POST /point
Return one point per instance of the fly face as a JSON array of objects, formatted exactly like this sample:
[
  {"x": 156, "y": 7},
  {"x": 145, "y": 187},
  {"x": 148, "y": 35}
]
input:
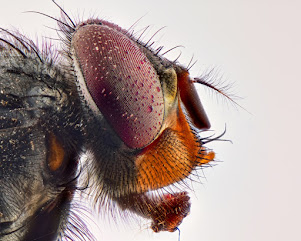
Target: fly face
[
  {"x": 135, "y": 112},
  {"x": 142, "y": 102}
]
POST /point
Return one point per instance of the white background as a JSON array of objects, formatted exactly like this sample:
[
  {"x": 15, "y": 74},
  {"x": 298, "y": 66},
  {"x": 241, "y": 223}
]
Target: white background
[{"x": 254, "y": 193}]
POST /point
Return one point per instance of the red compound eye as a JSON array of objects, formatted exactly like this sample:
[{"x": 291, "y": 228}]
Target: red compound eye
[{"x": 121, "y": 81}]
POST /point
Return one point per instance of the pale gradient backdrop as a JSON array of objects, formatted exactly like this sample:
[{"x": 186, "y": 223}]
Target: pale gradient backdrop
[{"x": 254, "y": 192}]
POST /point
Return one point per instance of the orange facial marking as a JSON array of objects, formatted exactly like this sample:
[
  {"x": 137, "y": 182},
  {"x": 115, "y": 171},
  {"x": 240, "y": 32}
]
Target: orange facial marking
[
  {"x": 56, "y": 153},
  {"x": 171, "y": 157}
]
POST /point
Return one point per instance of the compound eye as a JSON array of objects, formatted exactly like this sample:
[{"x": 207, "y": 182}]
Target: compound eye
[{"x": 121, "y": 81}]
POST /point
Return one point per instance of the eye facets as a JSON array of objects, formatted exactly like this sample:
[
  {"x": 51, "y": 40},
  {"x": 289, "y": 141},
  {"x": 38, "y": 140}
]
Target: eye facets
[{"x": 121, "y": 81}]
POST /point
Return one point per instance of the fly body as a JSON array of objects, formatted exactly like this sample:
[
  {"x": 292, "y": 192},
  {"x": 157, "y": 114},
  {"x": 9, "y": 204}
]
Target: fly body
[{"x": 136, "y": 113}]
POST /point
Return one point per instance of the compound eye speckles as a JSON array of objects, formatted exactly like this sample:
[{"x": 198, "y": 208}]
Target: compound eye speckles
[{"x": 121, "y": 81}]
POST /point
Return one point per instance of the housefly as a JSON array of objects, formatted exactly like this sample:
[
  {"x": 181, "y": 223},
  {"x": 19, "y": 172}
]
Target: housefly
[{"x": 135, "y": 113}]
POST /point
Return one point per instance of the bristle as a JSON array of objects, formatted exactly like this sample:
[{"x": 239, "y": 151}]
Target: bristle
[{"x": 132, "y": 168}]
